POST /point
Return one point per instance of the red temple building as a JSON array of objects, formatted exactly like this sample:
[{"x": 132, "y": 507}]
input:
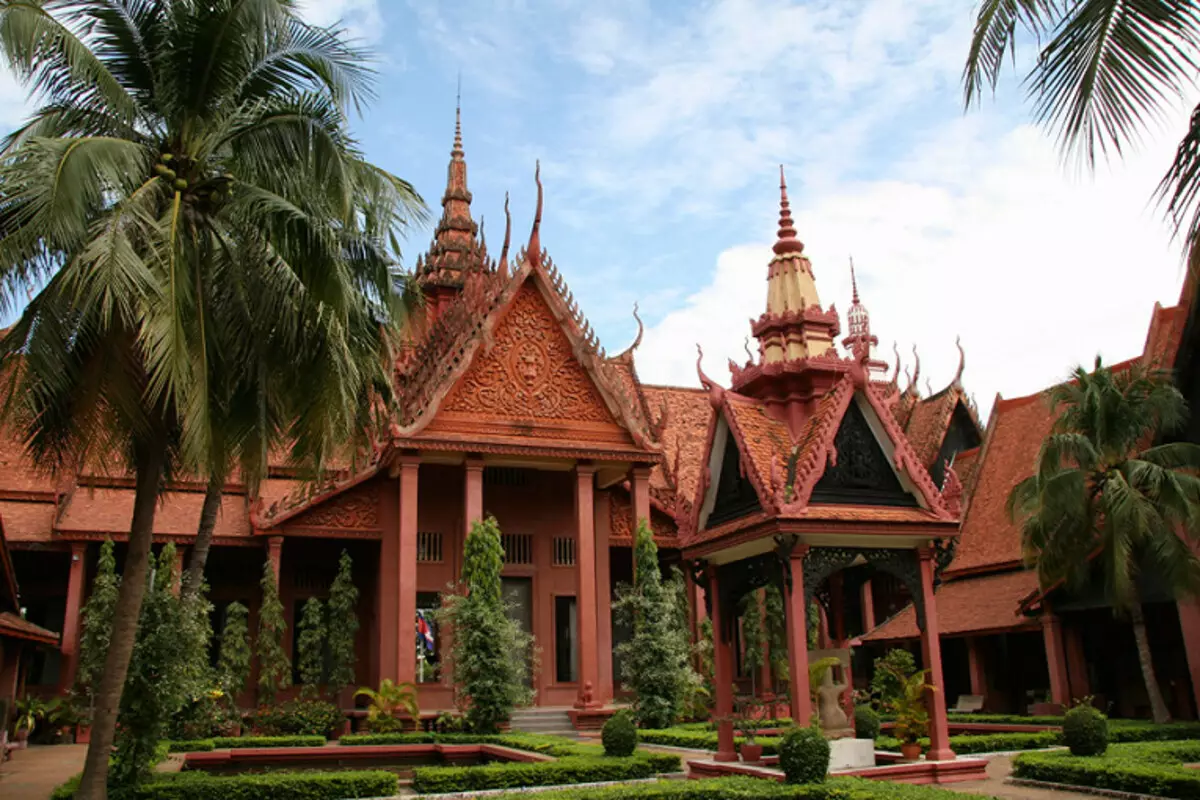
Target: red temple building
[{"x": 813, "y": 470}]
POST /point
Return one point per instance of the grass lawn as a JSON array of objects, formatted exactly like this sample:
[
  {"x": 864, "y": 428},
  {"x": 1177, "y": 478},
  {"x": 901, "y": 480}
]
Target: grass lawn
[{"x": 1154, "y": 768}]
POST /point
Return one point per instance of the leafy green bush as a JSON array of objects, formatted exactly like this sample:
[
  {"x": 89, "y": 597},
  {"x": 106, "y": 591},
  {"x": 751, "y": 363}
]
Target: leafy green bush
[
  {"x": 619, "y": 735},
  {"x": 866, "y": 722},
  {"x": 804, "y": 755},
  {"x": 887, "y": 682},
  {"x": 273, "y": 786},
  {"x": 190, "y": 746},
  {"x": 298, "y": 718},
  {"x": 1151, "y": 768},
  {"x": 575, "y": 769},
  {"x": 1085, "y": 730}
]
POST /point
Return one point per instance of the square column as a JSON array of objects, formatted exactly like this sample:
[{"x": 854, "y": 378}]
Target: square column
[
  {"x": 639, "y": 485},
  {"x": 586, "y": 602},
  {"x": 722, "y": 673},
  {"x": 604, "y": 646},
  {"x": 76, "y": 574},
  {"x": 797, "y": 631},
  {"x": 1056, "y": 659},
  {"x": 1077, "y": 673},
  {"x": 406, "y": 569},
  {"x": 1189, "y": 626},
  {"x": 472, "y": 494},
  {"x": 976, "y": 670},
  {"x": 868, "y": 607},
  {"x": 931, "y": 651},
  {"x": 275, "y": 556}
]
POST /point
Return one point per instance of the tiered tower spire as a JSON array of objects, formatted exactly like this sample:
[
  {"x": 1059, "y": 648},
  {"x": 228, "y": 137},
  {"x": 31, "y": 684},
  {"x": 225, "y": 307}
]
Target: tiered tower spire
[
  {"x": 456, "y": 248},
  {"x": 860, "y": 340},
  {"x": 799, "y": 362}
]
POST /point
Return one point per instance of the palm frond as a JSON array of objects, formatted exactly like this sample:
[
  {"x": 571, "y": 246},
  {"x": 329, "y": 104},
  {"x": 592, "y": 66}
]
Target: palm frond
[{"x": 994, "y": 39}]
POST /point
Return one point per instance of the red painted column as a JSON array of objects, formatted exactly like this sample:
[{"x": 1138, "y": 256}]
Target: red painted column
[
  {"x": 473, "y": 493},
  {"x": 931, "y": 649},
  {"x": 406, "y": 568},
  {"x": 797, "y": 622},
  {"x": 1077, "y": 673},
  {"x": 77, "y": 573},
  {"x": 604, "y": 646},
  {"x": 764, "y": 671},
  {"x": 275, "y": 556},
  {"x": 976, "y": 669},
  {"x": 722, "y": 674},
  {"x": 388, "y": 595},
  {"x": 1056, "y": 659},
  {"x": 639, "y": 482},
  {"x": 585, "y": 564},
  {"x": 868, "y": 607},
  {"x": 1189, "y": 625}
]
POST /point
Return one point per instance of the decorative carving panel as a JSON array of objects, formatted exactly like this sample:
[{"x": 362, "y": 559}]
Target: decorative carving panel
[
  {"x": 821, "y": 562},
  {"x": 528, "y": 371},
  {"x": 356, "y": 508}
]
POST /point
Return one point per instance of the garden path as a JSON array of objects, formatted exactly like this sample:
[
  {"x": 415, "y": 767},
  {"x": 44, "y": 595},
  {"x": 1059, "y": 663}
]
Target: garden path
[
  {"x": 998, "y": 770},
  {"x": 33, "y": 773}
]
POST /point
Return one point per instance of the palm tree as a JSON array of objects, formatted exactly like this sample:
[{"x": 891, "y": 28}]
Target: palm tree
[
  {"x": 1106, "y": 71},
  {"x": 386, "y": 704},
  {"x": 215, "y": 258},
  {"x": 1104, "y": 499}
]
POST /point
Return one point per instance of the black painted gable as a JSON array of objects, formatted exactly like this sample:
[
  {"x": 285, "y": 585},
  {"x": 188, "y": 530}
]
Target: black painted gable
[
  {"x": 960, "y": 435},
  {"x": 862, "y": 475},
  {"x": 735, "y": 493}
]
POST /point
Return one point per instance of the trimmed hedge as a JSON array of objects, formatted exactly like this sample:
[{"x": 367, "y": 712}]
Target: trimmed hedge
[
  {"x": 752, "y": 789},
  {"x": 236, "y": 742},
  {"x": 533, "y": 742},
  {"x": 697, "y": 740},
  {"x": 1154, "y": 768},
  {"x": 274, "y": 786},
  {"x": 804, "y": 755},
  {"x": 575, "y": 769},
  {"x": 994, "y": 719}
]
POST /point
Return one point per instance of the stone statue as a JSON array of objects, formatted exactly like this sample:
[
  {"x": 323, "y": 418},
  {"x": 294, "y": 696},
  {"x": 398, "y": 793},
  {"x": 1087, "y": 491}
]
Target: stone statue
[{"x": 830, "y": 693}]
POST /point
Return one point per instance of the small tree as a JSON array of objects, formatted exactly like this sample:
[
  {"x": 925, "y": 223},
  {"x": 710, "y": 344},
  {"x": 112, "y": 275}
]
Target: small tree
[
  {"x": 777, "y": 646},
  {"x": 168, "y": 667},
  {"x": 311, "y": 647},
  {"x": 655, "y": 658},
  {"x": 97, "y": 623},
  {"x": 233, "y": 661},
  {"x": 274, "y": 667},
  {"x": 488, "y": 659},
  {"x": 891, "y": 673},
  {"x": 343, "y": 626}
]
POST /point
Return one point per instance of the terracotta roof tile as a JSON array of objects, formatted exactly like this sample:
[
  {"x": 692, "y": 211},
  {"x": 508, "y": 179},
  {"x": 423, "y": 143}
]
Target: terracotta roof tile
[
  {"x": 688, "y": 413},
  {"x": 110, "y": 511},
  {"x": 13, "y": 625},
  {"x": 928, "y": 423},
  {"x": 762, "y": 437},
  {"x": 865, "y": 513},
  {"x": 966, "y": 464},
  {"x": 1165, "y": 335},
  {"x": 984, "y": 603}
]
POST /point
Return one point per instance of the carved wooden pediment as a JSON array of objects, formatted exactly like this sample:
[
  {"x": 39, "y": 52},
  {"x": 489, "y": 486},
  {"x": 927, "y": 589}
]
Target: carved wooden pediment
[{"x": 357, "y": 509}]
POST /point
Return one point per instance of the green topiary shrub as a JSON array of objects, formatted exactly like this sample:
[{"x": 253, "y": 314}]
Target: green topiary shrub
[
  {"x": 804, "y": 755},
  {"x": 866, "y": 722},
  {"x": 619, "y": 735},
  {"x": 1085, "y": 730},
  {"x": 298, "y": 718}
]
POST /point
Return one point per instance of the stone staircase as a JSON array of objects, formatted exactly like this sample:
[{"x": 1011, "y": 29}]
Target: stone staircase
[{"x": 543, "y": 720}]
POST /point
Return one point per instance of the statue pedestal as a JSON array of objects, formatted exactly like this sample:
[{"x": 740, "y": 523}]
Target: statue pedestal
[{"x": 851, "y": 754}]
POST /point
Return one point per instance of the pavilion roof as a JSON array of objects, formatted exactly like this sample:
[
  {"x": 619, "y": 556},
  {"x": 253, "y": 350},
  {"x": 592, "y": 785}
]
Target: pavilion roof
[{"x": 970, "y": 605}]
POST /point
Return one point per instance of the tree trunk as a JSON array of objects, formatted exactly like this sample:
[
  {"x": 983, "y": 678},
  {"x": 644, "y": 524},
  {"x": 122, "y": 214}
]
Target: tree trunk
[
  {"x": 194, "y": 578},
  {"x": 1158, "y": 708},
  {"x": 151, "y": 459}
]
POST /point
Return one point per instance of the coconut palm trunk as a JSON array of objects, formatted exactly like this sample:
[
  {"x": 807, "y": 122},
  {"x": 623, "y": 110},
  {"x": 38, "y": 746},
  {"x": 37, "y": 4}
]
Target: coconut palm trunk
[
  {"x": 151, "y": 458},
  {"x": 204, "y": 533},
  {"x": 1158, "y": 708}
]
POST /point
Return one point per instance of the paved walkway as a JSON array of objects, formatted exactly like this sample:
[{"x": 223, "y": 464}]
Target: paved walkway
[
  {"x": 1000, "y": 768},
  {"x": 33, "y": 773}
]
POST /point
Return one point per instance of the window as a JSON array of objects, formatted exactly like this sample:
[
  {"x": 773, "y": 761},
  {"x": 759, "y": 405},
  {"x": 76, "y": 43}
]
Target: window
[
  {"x": 564, "y": 551},
  {"x": 566, "y": 634},
  {"x": 518, "y": 548},
  {"x": 429, "y": 546},
  {"x": 429, "y": 641}
]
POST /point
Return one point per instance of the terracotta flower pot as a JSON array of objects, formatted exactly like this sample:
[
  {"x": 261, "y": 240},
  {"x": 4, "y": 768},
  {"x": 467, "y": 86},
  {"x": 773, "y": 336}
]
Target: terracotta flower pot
[
  {"x": 83, "y": 734},
  {"x": 751, "y": 753},
  {"x": 911, "y": 752}
]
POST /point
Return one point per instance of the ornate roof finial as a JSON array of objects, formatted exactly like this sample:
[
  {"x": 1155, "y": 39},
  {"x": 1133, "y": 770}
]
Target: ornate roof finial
[
  {"x": 896, "y": 371},
  {"x": 641, "y": 328},
  {"x": 507, "y": 236},
  {"x": 859, "y": 339},
  {"x": 853, "y": 283},
  {"x": 534, "y": 249},
  {"x": 746, "y": 347},
  {"x": 916, "y": 376},
  {"x": 457, "y": 150},
  {"x": 716, "y": 394},
  {"x": 962, "y": 363},
  {"x": 787, "y": 241}
]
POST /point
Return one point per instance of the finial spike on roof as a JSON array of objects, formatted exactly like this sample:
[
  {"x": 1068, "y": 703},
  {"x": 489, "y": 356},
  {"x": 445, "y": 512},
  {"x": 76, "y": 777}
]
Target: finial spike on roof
[
  {"x": 896, "y": 371},
  {"x": 458, "y": 144},
  {"x": 641, "y": 329},
  {"x": 853, "y": 280},
  {"x": 746, "y": 347},
  {"x": 534, "y": 248},
  {"x": 507, "y": 237},
  {"x": 962, "y": 362},
  {"x": 786, "y": 242},
  {"x": 916, "y": 377}
]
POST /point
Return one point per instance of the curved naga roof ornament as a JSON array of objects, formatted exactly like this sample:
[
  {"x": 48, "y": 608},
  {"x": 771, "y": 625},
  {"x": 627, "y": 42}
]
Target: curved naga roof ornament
[
  {"x": 533, "y": 251},
  {"x": 716, "y": 394},
  {"x": 962, "y": 363},
  {"x": 896, "y": 371},
  {"x": 916, "y": 376},
  {"x": 628, "y": 351},
  {"x": 503, "y": 268}
]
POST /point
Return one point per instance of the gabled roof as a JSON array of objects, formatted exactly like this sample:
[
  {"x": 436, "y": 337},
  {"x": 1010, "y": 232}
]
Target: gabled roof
[
  {"x": 684, "y": 415},
  {"x": 929, "y": 421},
  {"x": 970, "y": 606},
  {"x": 15, "y": 626},
  {"x": 769, "y": 456}
]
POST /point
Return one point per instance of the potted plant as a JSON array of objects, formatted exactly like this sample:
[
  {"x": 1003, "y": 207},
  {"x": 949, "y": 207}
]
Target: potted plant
[
  {"x": 746, "y": 721},
  {"x": 30, "y": 710},
  {"x": 912, "y": 717}
]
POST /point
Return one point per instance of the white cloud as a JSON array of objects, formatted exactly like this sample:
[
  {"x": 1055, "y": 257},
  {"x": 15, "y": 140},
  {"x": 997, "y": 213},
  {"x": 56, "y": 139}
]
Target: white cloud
[
  {"x": 360, "y": 17},
  {"x": 974, "y": 237}
]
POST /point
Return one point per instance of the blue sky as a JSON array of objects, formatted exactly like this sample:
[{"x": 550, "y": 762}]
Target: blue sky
[{"x": 660, "y": 128}]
